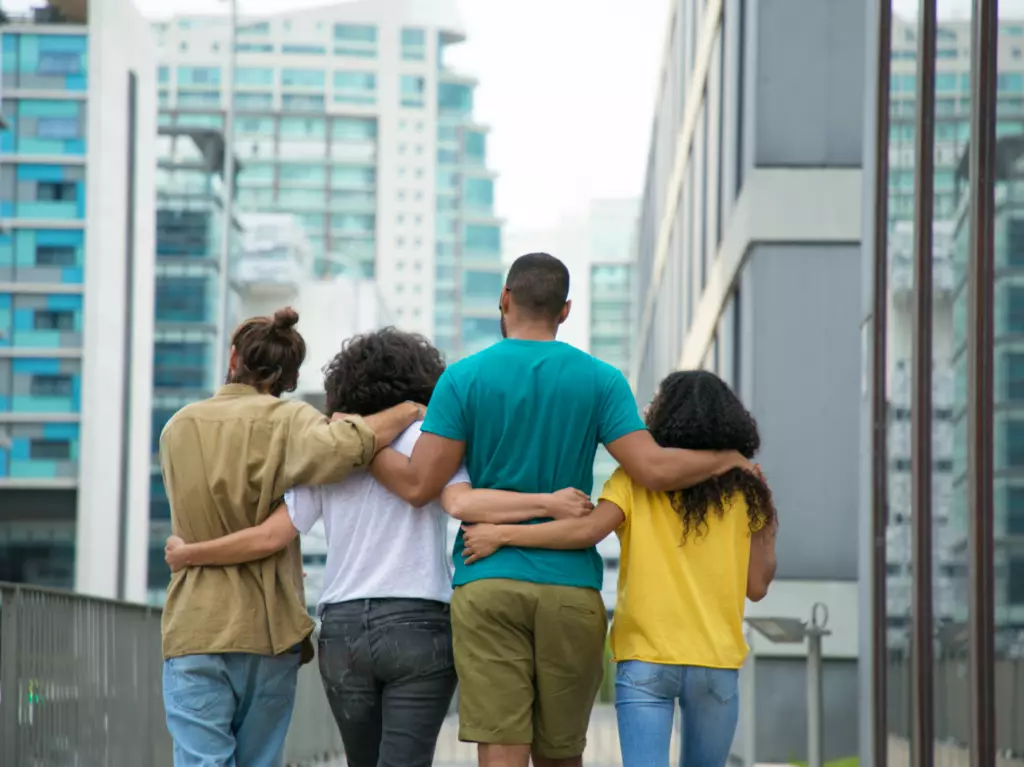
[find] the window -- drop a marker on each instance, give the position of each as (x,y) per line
(180,365)
(60,63)
(412,91)
(198,98)
(50,450)
(479,193)
(303,127)
(475,146)
(298,173)
(1014,433)
(254,29)
(252,48)
(163,75)
(355,87)
(302,103)
(1015,511)
(353,175)
(1015,242)
(254,101)
(56,191)
(1013,376)
(1014,308)
(262,76)
(1015,581)
(61,320)
(1013,82)
(51,386)
(483,237)
(414,45)
(304,78)
(358,40)
(482,284)
(454,98)
(354,128)
(181,299)
(198,76)
(55,255)
(304,50)
(57,128)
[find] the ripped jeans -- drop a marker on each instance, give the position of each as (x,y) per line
(388,670)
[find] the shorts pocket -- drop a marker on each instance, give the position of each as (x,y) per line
(419,648)
(196,684)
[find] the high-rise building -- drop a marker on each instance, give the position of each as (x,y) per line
(747,265)
(77,166)
(349,117)
(189,216)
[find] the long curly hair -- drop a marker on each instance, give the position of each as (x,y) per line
(696,410)
(375,371)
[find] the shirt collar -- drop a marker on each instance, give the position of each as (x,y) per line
(236,390)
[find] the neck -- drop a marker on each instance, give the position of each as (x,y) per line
(531,332)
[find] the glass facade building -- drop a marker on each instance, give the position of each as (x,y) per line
(349,118)
(76,187)
(942,565)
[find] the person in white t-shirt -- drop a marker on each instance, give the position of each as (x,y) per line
(385,646)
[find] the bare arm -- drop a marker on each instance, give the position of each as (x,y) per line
(249,545)
(420,478)
(499,507)
(388,424)
(667,468)
(761,569)
(483,540)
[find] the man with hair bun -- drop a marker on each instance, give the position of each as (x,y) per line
(234,636)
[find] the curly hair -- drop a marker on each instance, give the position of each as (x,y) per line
(375,371)
(696,410)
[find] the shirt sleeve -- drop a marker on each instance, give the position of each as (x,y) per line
(304,507)
(619,413)
(445,415)
(461,477)
(319,452)
(619,490)
(407,441)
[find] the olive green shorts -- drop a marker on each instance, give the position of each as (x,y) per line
(530,660)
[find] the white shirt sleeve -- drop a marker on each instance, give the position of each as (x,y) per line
(407,441)
(304,507)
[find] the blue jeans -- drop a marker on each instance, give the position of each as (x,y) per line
(230,710)
(645,697)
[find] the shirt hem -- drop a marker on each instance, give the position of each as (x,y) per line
(664,662)
(539,581)
(264,650)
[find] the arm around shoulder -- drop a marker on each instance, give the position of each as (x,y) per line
(319,451)
(667,468)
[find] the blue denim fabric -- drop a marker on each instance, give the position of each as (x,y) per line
(645,698)
(230,710)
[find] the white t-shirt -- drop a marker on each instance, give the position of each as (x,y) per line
(378,546)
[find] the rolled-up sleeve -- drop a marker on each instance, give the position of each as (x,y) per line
(319,452)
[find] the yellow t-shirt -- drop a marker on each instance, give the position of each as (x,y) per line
(678,603)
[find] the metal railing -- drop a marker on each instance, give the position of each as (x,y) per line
(80,686)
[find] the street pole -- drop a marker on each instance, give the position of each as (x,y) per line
(815,696)
(227,230)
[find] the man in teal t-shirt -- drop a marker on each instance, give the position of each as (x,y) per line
(527,415)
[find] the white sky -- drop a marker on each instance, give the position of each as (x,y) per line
(567,87)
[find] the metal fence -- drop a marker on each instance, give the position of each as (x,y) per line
(80,686)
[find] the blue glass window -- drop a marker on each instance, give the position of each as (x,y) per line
(181,299)
(413,91)
(301,173)
(44,127)
(254,48)
(303,103)
(305,78)
(475,145)
(355,87)
(303,127)
(198,98)
(304,50)
(482,284)
(354,128)
(198,76)
(181,365)
(359,40)
(480,330)
(1013,81)
(353,222)
(346,176)
(414,44)
(946,82)
(263,76)
(254,101)
(163,75)
(447,157)
(455,98)
(255,29)
(45,62)
(479,193)
(483,238)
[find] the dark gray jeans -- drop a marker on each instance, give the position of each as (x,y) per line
(389,674)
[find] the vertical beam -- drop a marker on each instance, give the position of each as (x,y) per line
(879,400)
(922,741)
(980,342)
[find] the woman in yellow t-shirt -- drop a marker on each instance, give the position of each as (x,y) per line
(689,560)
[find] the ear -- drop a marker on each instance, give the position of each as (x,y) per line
(565,312)
(504,300)
(233,361)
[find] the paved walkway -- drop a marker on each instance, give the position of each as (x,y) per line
(602,743)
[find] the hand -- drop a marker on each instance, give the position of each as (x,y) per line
(738,461)
(174,553)
(340,417)
(421,411)
(480,541)
(569,503)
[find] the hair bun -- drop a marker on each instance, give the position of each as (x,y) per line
(285,318)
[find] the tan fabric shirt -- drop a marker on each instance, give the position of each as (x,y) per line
(226,462)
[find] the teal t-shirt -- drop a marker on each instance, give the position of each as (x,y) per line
(532,414)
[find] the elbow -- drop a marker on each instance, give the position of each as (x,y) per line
(457,509)
(418,496)
(757,591)
(655,477)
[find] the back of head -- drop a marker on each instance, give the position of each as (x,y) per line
(268,352)
(696,410)
(538,284)
(379,370)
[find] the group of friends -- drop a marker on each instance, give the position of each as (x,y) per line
(503,441)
